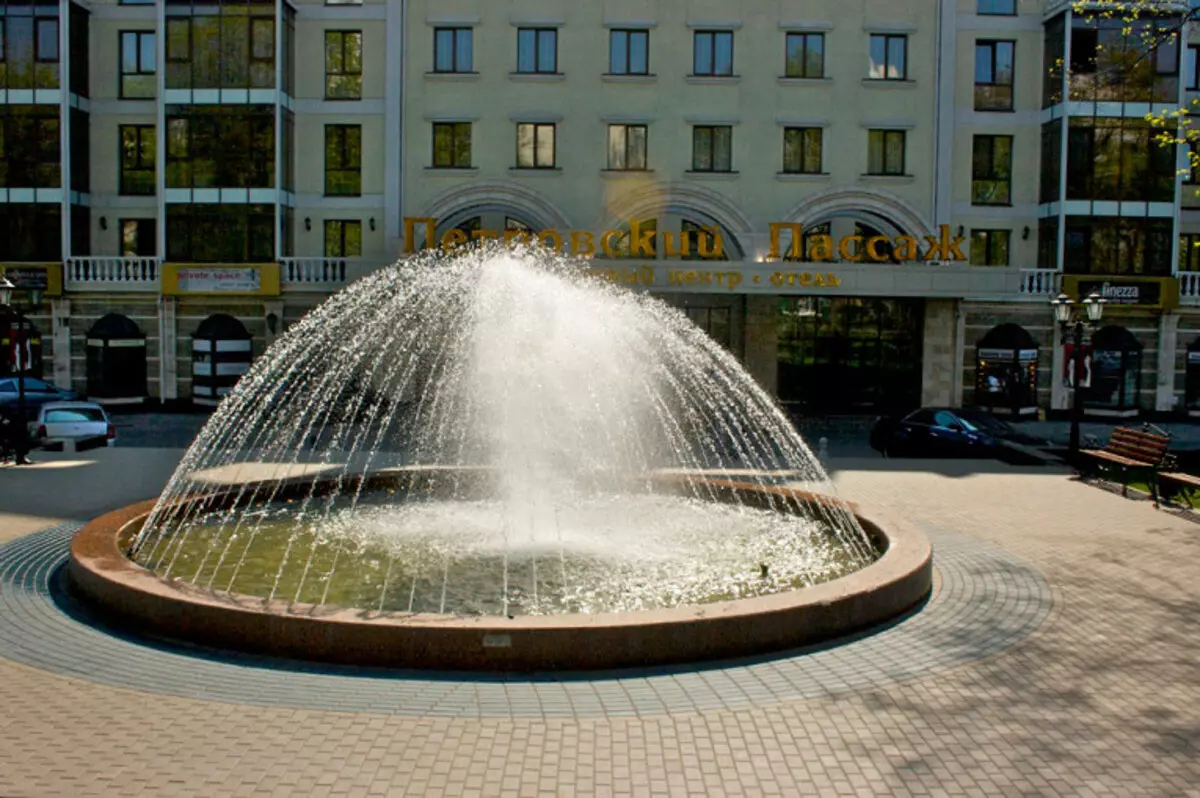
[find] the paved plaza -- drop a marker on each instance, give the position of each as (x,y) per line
(1059,655)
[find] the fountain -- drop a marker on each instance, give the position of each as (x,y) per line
(495,460)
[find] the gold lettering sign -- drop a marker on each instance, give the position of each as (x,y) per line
(943,246)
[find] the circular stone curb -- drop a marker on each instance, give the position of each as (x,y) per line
(984,601)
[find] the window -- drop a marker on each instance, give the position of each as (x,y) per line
(889,57)
(714,322)
(994,75)
(210,51)
(712,148)
(701,241)
(712,53)
(138,58)
(627,147)
(989,247)
(343,160)
(452,50)
(804,56)
(137,160)
(629,52)
(1119,159)
(452,145)
(802,150)
(219,233)
(1118,245)
(343,65)
(220,146)
(1189,252)
(537,50)
(535,146)
(885,152)
(991,171)
(1191,67)
(139,238)
(1001,8)
(30,151)
(45,41)
(343,238)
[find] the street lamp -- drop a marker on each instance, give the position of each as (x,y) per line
(22,431)
(1093,308)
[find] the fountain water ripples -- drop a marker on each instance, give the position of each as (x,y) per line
(560,436)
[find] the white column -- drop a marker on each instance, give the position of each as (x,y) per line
(160,133)
(279,165)
(64,122)
(60,331)
(1061,244)
(168,386)
(1060,395)
(1168,336)
(393,161)
(944,112)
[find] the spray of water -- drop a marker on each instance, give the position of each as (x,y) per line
(573,393)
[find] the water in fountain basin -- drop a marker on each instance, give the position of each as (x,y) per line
(519,362)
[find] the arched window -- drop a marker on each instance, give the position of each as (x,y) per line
(116,361)
(700,241)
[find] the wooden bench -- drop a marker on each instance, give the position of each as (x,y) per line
(1176,481)
(1132,450)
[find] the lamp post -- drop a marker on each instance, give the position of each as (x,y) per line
(20,364)
(1064,314)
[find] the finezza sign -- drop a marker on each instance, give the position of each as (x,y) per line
(643,240)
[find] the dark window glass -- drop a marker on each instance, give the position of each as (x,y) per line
(712,148)
(220,233)
(886,152)
(991,171)
(1051,161)
(994,75)
(889,57)
(537,50)
(221,146)
(230,51)
(802,150)
(804,56)
(712,53)
(137,160)
(996,7)
(1189,252)
(343,160)
(30,147)
(629,52)
(1119,60)
(1119,159)
(1118,245)
(1191,65)
(452,50)
(138,65)
(29,57)
(343,65)
(343,238)
(1053,52)
(31,232)
(535,146)
(139,237)
(79,57)
(627,147)
(79,141)
(989,247)
(452,145)
(701,241)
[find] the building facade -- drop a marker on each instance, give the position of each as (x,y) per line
(870,207)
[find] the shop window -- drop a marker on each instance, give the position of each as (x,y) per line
(1006,371)
(1116,372)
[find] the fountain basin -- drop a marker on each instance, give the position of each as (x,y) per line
(129,595)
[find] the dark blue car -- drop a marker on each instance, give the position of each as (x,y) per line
(37,393)
(955,433)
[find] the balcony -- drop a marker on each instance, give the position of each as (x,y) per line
(321,274)
(112,274)
(1040,283)
(1189,288)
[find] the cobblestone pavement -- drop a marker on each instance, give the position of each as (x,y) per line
(1101,696)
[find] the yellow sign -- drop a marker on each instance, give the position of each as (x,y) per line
(665,278)
(44,277)
(643,240)
(219,279)
(1119,292)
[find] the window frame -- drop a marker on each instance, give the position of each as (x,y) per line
(341,226)
(886,133)
(645,167)
(712,154)
(537,128)
(345,34)
(537,51)
(628,33)
(992,237)
(803,149)
(804,59)
(122,74)
(993,46)
(454,130)
(454,32)
(991,173)
(1192,57)
(38,57)
(980,12)
(342,131)
(712,35)
(140,131)
(887,39)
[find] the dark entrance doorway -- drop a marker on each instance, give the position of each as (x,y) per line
(849,355)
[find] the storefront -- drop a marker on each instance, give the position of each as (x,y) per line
(116,361)
(1116,374)
(850,355)
(1006,371)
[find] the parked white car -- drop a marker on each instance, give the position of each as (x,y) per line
(73,424)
